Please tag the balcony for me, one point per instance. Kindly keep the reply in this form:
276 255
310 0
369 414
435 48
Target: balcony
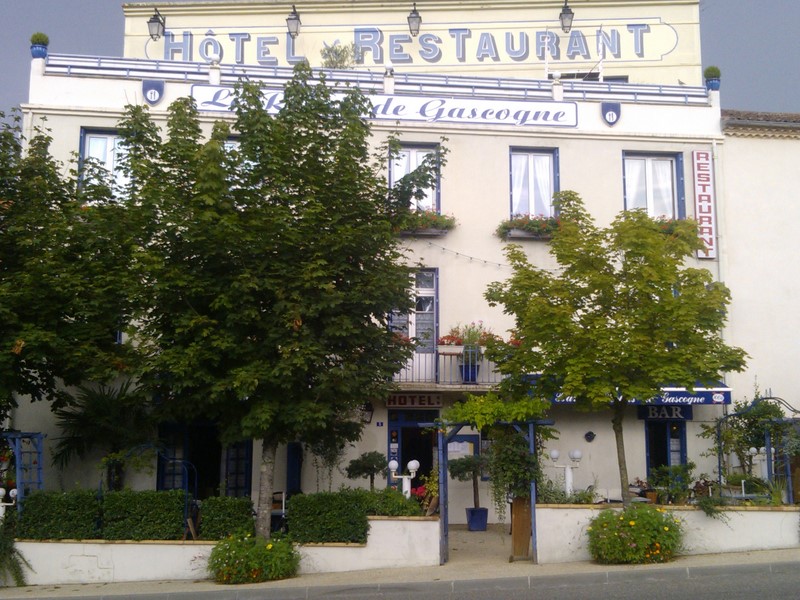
448 366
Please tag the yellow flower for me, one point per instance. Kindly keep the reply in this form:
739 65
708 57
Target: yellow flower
666 528
631 523
269 546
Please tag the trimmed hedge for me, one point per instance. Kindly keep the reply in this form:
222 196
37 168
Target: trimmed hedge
341 516
221 516
73 515
145 515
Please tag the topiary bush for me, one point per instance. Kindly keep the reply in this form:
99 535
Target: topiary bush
327 517
73 515
640 533
144 515
243 558
221 516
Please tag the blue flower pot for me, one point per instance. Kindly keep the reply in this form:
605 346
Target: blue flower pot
477 519
469 373
712 84
38 51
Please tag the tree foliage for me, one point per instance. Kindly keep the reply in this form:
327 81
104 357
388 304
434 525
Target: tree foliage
620 318
64 281
269 269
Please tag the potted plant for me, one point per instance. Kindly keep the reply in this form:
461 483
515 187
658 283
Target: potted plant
427 222
39 43
472 338
673 482
466 469
711 75
537 227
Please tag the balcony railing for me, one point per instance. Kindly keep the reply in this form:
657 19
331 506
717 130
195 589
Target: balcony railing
449 365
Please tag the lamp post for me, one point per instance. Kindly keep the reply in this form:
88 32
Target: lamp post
3 504
413 467
575 456
293 23
414 21
760 454
156 26
565 17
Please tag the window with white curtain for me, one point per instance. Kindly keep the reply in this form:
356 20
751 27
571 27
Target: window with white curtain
532 182
408 159
651 184
106 150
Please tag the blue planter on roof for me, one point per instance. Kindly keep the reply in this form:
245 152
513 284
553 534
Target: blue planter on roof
712 84
38 51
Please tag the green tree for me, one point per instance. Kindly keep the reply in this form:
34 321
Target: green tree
269 271
64 281
368 465
621 317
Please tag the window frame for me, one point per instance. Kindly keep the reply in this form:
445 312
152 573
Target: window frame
120 180
555 183
678 181
426 148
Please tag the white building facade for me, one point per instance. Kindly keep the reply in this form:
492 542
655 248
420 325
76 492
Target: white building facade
614 110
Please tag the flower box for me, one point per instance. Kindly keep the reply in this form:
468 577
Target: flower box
424 232
520 234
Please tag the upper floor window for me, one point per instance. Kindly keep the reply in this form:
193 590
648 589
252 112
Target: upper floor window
533 182
408 159
105 148
654 183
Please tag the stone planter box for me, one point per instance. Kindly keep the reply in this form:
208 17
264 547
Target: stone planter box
392 542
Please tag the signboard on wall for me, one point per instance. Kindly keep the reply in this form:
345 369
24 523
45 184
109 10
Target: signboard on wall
414 401
704 202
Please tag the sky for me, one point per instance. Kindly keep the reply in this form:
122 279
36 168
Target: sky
753 42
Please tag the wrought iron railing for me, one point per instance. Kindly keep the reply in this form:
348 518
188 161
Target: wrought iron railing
449 365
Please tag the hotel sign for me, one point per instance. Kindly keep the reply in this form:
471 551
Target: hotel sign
414 401
425 109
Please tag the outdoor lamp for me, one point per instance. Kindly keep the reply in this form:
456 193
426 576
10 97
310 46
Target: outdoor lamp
366 411
12 495
554 454
566 17
575 456
414 21
156 26
293 23
413 467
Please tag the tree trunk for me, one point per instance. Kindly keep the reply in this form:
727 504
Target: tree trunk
618 409
265 486
476 497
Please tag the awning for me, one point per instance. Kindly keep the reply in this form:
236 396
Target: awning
719 394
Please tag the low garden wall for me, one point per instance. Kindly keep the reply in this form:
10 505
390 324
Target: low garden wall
561 530
392 541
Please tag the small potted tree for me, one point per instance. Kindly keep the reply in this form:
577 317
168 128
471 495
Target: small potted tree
368 465
711 75
466 469
39 43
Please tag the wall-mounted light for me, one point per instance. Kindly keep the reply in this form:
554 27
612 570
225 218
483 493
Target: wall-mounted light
414 21
566 17
293 23
589 436
156 26
365 412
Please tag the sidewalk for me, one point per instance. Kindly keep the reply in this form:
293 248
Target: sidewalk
474 557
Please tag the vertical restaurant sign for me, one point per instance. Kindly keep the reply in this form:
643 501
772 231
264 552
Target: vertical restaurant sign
704 202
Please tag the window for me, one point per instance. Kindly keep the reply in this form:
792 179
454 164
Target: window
421 322
106 150
655 183
408 159
533 182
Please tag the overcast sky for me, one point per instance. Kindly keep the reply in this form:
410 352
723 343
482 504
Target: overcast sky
754 42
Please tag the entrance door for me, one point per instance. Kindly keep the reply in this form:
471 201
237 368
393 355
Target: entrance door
409 440
666 443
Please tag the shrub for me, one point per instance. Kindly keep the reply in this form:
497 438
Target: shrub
428 219
341 516
639 534
221 516
242 558
145 515
711 72
39 39
327 517
536 224
11 559
73 515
